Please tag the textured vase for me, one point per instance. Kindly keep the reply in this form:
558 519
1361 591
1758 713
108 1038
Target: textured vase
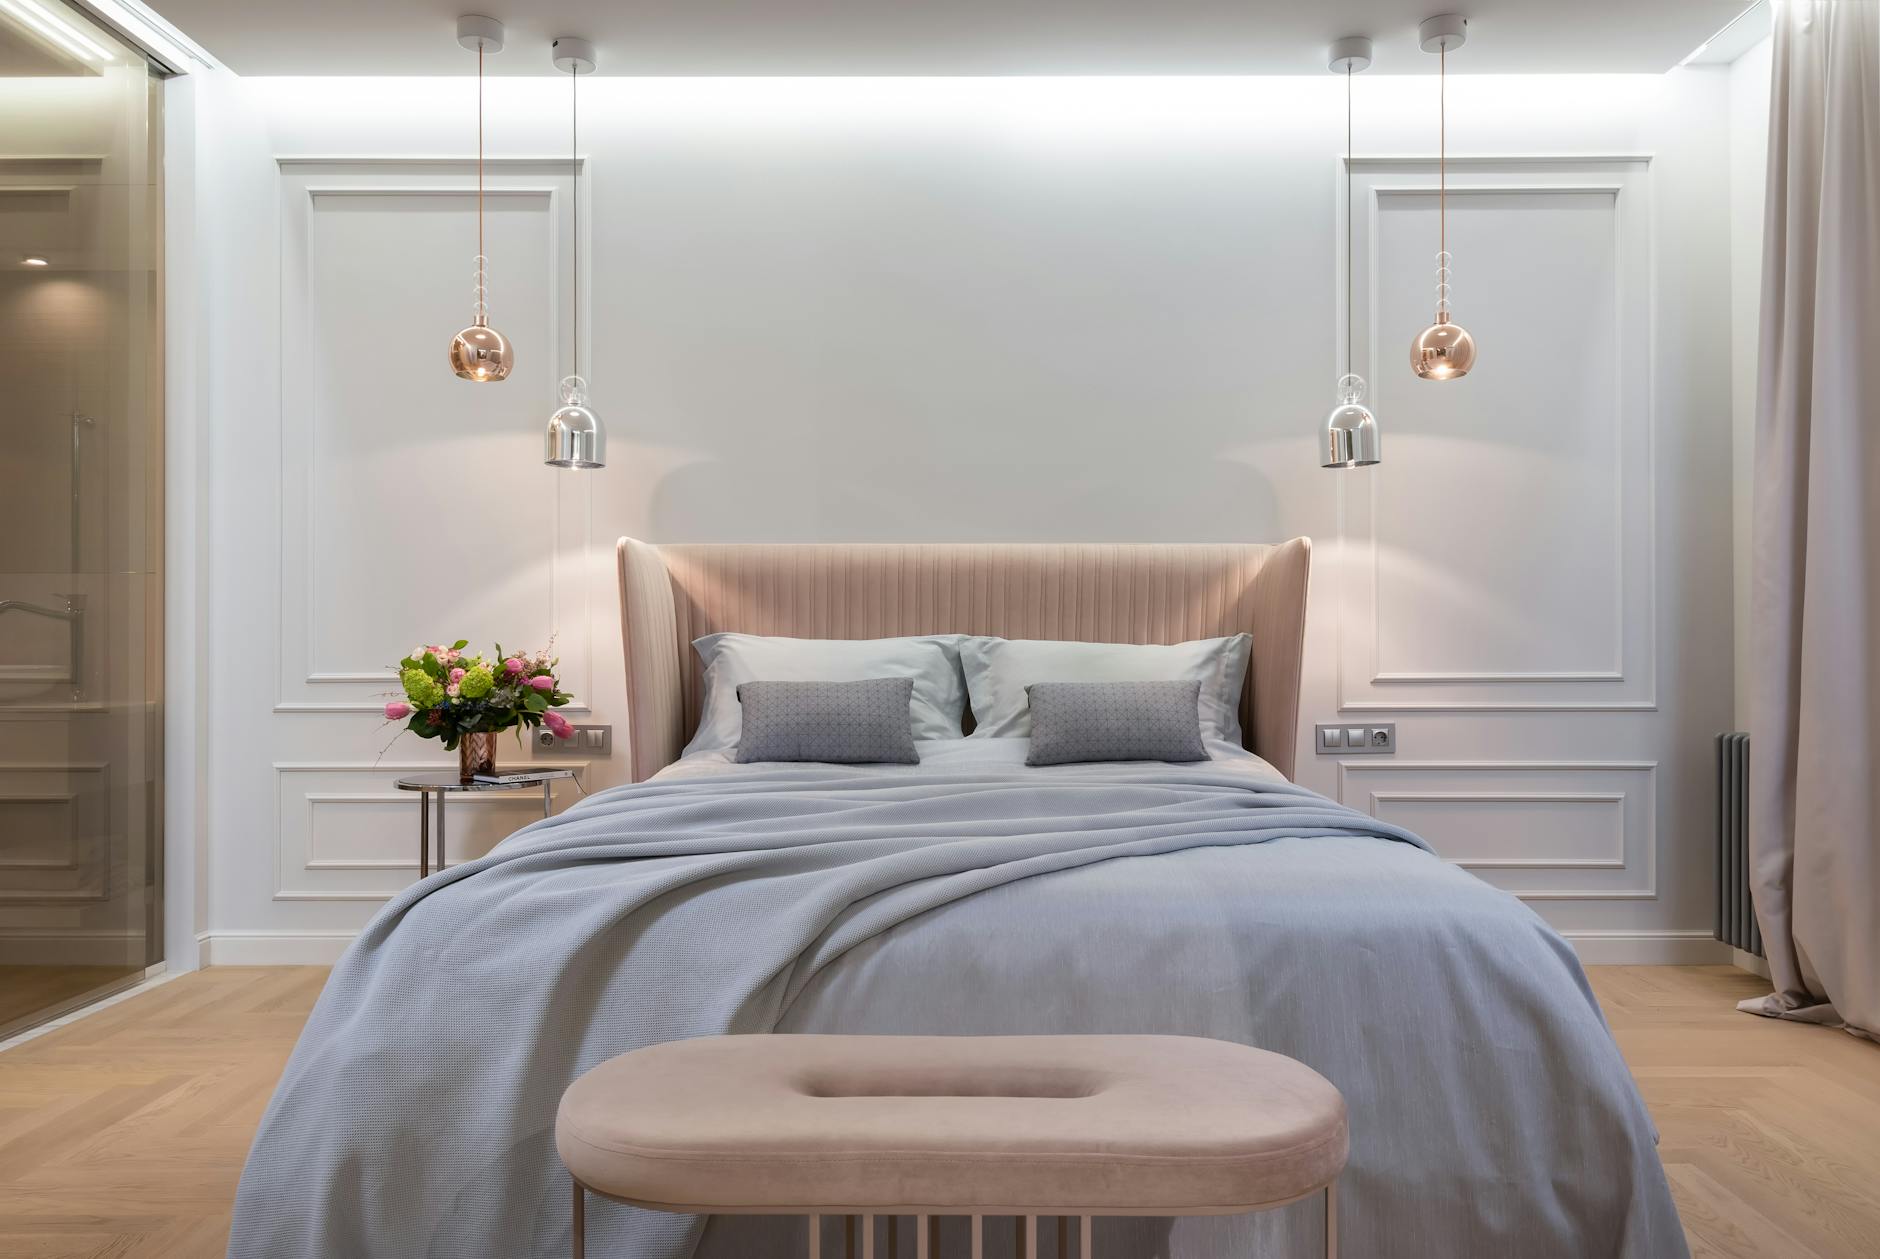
476 754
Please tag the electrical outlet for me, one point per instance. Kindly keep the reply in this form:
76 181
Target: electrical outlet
1379 738
586 740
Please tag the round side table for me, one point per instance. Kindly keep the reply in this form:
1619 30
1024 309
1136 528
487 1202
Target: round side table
446 783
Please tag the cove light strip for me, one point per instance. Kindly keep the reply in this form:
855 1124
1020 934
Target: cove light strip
57 29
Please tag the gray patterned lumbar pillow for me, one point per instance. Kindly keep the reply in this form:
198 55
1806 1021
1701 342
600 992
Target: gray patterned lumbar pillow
1115 721
847 723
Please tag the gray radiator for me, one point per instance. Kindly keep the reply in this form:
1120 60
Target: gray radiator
1736 917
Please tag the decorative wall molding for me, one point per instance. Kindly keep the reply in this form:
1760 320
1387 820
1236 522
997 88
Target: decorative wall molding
310 682
1382 799
1623 793
382 825
1621 676
81 874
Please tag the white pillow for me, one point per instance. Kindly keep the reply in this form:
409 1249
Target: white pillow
936 709
999 669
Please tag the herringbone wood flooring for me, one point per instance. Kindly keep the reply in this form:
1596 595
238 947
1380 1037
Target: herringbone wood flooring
122 1136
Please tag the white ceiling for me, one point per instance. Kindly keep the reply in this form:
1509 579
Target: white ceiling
945 37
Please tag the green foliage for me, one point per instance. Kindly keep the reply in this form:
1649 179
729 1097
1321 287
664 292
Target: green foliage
486 696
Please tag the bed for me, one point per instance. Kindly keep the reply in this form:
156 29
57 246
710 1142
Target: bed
965 894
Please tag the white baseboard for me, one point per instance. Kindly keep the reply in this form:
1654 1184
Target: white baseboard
273 948
1749 962
1596 948
1648 948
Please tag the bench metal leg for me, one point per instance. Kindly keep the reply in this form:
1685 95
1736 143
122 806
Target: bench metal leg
1083 1237
579 1229
815 1237
1331 1221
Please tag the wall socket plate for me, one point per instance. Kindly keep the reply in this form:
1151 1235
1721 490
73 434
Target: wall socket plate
587 740
1375 738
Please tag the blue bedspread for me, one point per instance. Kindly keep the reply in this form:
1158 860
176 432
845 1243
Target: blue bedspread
1491 1113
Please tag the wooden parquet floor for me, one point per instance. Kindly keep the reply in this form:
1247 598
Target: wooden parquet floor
1769 1131
122 1136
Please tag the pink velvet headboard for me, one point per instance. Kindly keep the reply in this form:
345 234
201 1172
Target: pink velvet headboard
1150 593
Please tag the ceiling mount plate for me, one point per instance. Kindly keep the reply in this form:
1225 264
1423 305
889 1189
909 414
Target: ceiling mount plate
572 54
1444 33
480 34
1352 53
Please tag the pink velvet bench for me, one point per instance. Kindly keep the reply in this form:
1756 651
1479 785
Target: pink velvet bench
928 1126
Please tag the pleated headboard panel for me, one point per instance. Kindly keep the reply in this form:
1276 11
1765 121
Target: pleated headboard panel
1147 593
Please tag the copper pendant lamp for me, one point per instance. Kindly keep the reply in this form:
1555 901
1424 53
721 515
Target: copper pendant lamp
480 353
1349 438
1444 350
575 438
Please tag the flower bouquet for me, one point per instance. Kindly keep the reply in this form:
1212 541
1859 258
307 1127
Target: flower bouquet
465 701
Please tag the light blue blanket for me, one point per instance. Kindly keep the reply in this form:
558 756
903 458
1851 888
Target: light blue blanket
1491 1114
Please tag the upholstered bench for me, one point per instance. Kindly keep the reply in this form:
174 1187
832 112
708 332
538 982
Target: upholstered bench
926 1126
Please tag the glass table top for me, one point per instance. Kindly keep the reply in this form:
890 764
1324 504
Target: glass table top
447 780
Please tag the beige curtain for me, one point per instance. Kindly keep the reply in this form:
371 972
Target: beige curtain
1815 559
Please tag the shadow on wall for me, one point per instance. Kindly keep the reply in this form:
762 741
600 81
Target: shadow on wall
864 499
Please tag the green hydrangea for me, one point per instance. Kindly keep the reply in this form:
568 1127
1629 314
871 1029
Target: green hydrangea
476 682
421 688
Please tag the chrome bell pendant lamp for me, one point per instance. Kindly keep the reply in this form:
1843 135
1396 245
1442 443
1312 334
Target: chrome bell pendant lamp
480 353
1350 438
1444 350
575 436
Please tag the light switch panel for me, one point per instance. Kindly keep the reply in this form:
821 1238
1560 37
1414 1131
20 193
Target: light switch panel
1376 739
587 740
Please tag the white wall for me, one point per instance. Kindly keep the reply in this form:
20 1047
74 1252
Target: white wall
995 309
1749 156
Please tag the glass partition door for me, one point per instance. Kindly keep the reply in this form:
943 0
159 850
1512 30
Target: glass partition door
81 542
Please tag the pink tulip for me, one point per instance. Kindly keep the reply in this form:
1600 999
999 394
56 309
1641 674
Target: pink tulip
558 725
397 710
514 665
543 683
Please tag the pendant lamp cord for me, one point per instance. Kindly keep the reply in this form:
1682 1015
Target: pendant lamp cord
1442 182
1347 217
480 150
574 183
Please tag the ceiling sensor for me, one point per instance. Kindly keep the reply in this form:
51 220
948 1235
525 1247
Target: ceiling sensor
1444 33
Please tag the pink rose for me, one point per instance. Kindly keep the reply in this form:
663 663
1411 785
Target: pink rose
397 710
558 725
514 665
543 683
456 675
